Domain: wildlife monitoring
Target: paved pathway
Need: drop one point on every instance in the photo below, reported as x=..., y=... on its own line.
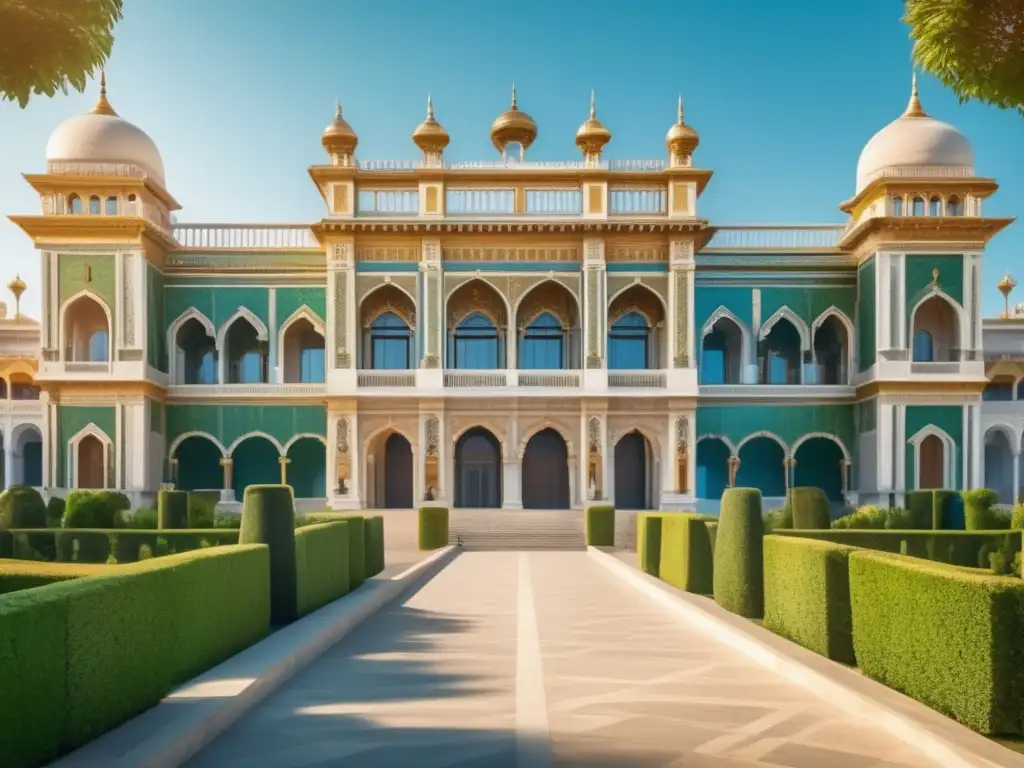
x=536, y=660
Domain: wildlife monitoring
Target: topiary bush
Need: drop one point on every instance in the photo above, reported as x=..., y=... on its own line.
x=200, y=510
x=867, y=517
x=22, y=506
x=782, y=519
x=268, y=517
x=433, y=528
x=738, y=560
x=356, y=549
x=601, y=526
x=321, y=564
x=90, y=509
x=810, y=508
x=172, y=510
x=146, y=519
x=686, y=553
x=54, y=512
x=648, y=543
x=374, y=530
x=978, y=510
x=941, y=499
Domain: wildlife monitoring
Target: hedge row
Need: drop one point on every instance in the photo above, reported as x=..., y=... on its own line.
x=79, y=657
x=83, y=545
x=738, y=571
x=601, y=526
x=433, y=528
x=648, y=543
x=321, y=565
x=16, y=575
x=686, y=554
x=374, y=529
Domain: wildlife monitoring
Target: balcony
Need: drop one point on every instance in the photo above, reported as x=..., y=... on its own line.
x=513, y=381
x=243, y=391
x=386, y=379
x=951, y=363
x=636, y=380
x=777, y=391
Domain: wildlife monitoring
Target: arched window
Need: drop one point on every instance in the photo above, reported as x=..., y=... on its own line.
x=94, y=206
x=935, y=207
x=303, y=353
x=897, y=206
x=197, y=354
x=23, y=388
x=780, y=354
x=830, y=350
x=629, y=343
x=923, y=348
x=543, y=344
x=390, y=343
x=111, y=209
x=954, y=207
x=721, y=354
x=86, y=335
x=75, y=204
x=917, y=208
x=476, y=344
x=247, y=354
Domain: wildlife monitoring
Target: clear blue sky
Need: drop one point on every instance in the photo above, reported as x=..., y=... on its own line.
x=784, y=96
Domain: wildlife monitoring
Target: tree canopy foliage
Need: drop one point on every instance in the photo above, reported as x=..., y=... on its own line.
x=48, y=45
x=976, y=47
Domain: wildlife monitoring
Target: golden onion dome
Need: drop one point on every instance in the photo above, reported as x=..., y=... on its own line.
x=681, y=138
x=338, y=137
x=592, y=135
x=513, y=126
x=429, y=135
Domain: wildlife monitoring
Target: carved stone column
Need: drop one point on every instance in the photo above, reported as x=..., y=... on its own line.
x=734, y=468
x=342, y=325
x=432, y=312
x=284, y=462
x=680, y=291
x=227, y=493
x=789, y=466
x=595, y=304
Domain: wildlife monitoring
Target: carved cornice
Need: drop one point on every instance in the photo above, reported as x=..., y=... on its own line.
x=775, y=260
x=54, y=231
x=107, y=392
x=969, y=233
x=930, y=389
x=525, y=253
x=979, y=187
x=387, y=253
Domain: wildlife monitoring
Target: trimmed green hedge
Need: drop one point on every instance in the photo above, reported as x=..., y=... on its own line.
x=356, y=549
x=100, y=546
x=172, y=510
x=321, y=564
x=21, y=506
x=686, y=560
x=374, y=530
x=54, y=512
x=16, y=575
x=807, y=594
x=979, y=510
x=433, y=527
x=80, y=657
x=738, y=562
x=268, y=517
x=648, y=542
x=809, y=507
x=601, y=526
x=948, y=637
x=964, y=548
x=921, y=510
x=92, y=509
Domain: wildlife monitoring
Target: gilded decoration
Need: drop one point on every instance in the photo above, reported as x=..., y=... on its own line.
x=387, y=299
x=387, y=253
x=593, y=276
x=476, y=296
x=433, y=293
x=682, y=454
x=637, y=299
x=682, y=318
x=657, y=283
x=644, y=254
x=365, y=283
x=343, y=441
x=594, y=458
x=520, y=254
x=548, y=297
x=431, y=460
x=128, y=300
x=342, y=357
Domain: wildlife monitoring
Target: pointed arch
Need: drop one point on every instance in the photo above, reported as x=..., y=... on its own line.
x=294, y=364
x=295, y=438
x=540, y=426
x=762, y=433
x=63, y=328
x=934, y=291
x=90, y=430
x=823, y=435
x=1008, y=432
x=192, y=313
x=531, y=292
x=251, y=317
x=652, y=320
x=455, y=314
x=647, y=434
x=948, y=454
x=733, y=449
x=256, y=433
x=785, y=313
x=722, y=312
x=196, y=433
x=387, y=284
x=406, y=312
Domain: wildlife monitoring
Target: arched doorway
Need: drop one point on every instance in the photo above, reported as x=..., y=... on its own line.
x=86, y=332
x=478, y=469
x=636, y=323
x=999, y=465
x=936, y=331
x=196, y=354
x=255, y=463
x=932, y=471
x=633, y=487
x=397, y=472
x=819, y=464
x=779, y=355
x=90, y=463
x=721, y=358
x=307, y=470
x=830, y=352
x=199, y=466
x=303, y=347
x=546, y=472
x=712, y=468
x=761, y=467
x=247, y=353
x=28, y=456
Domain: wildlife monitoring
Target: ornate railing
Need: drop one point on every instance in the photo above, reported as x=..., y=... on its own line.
x=777, y=390
x=369, y=378
x=636, y=200
x=247, y=390
x=742, y=236
x=93, y=169
x=550, y=379
x=554, y=201
x=385, y=201
x=244, y=236
x=86, y=367
x=636, y=379
x=470, y=201
x=475, y=379
x=643, y=166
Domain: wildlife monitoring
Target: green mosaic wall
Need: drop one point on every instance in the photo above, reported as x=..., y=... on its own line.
x=290, y=299
x=156, y=416
x=72, y=419
x=78, y=272
x=218, y=304
x=809, y=302
x=919, y=277
x=229, y=422
x=789, y=422
x=707, y=299
x=156, y=326
x=866, y=314
x=948, y=418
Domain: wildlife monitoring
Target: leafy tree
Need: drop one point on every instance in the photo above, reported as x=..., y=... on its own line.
x=47, y=45
x=976, y=47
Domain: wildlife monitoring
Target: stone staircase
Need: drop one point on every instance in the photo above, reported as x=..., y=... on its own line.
x=492, y=529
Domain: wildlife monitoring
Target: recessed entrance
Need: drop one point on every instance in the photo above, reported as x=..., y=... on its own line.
x=478, y=470
x=397, y=472
x=632, y=481
x=546, y=472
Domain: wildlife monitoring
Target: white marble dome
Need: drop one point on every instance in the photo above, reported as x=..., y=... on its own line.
x=915, y=141
x=101, y=136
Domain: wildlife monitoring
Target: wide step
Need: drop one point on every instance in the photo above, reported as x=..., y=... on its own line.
x=495, y=529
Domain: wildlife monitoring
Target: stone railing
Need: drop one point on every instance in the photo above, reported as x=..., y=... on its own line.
x=86, y=367
x=743, y=236
x=61, y=167
x=244, y=236
x=643, y=166
x=636, y=379
x=549, y=379
x=369, y=378
x=247, y=390
x=795, y=391
x=475, y=379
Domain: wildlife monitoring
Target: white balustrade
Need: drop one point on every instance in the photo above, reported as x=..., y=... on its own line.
x=247, y=390
x=636, y=379
x=636, y=200
x=86, y=367
x=244, y=236
x=796, y=391
x=60, y=167
x=554, y=201
x=475, y=379
x=549, y=379
x=632, y=166
x=472, y=201
x=799, y=236
x=385, y=201
x=370, y=378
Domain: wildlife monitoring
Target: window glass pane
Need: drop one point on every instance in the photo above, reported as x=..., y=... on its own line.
x=923, y=347
x=712, y=366
x=98, y=346
x=311, y=365
x=251, y=368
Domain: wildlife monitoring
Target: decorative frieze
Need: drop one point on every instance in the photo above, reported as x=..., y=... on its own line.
x=682, y=315
x=643, y=254
x=342, y=357
x=128, y=299
x=390, y=253
x=521, y=254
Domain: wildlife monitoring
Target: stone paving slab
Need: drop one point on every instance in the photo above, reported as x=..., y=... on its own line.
x=538, y=659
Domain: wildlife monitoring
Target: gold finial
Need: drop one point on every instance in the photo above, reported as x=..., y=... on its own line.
x=430, y=135
x=430, y=108
x=914, y=108
x=592, y=135
x=513, y=97
x=681, y=139
x=935, y=277
x=338, y=138
x=102, y=106
x=680, y=110
x=513, y=126
x=337, y=107
x=17, y=287
x=1006, y=286
x=593, y=111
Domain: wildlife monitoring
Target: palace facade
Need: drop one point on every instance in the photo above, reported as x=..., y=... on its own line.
x=517, y=334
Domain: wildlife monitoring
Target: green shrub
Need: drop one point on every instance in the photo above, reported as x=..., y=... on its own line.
x=686, y=560
x=867, y=517
x=120, y=500
x=374, y=531
x=947, y=637
x=648, y=543
x=321, y=565
x=738, y=561
x=268, y=517
x=90, y=509
x=712, y=533
x=978, y=509
x=172, y=510
x=1017, y=517
x=147, y=519
x=810, y=508
x=200, y=510
x=601, y=526
x=54, y=512
x=82, y=656
x=941, y=500
x=16, y=575
x=227, y=520
x=782, y=519
x=807, y=594
x=433, y=527
x=899, y=519
x=21, y=506
x=356, y=549
x=920, y=509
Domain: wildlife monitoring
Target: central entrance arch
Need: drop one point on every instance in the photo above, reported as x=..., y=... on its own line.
x=633, y=486
x=546, y=472
x=397, y=472
x=478, y=470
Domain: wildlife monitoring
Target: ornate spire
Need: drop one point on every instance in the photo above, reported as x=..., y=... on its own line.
x=513, y=97
x=430, y=135
x=593, y=111
x=430, y=107
x=592, y=135
x=17, y=287
x=914, y=108
x=102, y=105
x=679, y=109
